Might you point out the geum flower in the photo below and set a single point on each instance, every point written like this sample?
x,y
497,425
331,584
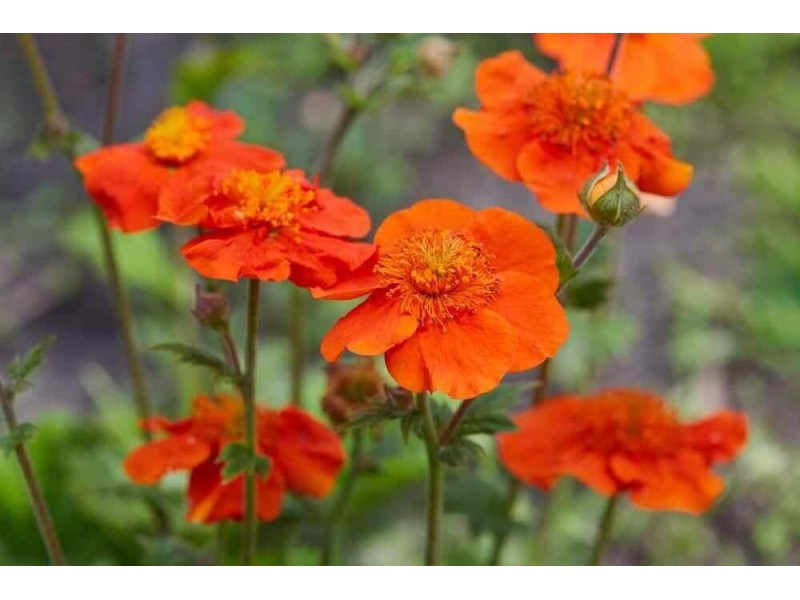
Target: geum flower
x,y
305,457
672,68
457,299
624,441
126,180
552,132
270,225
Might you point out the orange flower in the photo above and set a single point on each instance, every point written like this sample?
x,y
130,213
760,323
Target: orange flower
x,y
552,132
305,457
457,299
625,441
126,180
271,225
672,68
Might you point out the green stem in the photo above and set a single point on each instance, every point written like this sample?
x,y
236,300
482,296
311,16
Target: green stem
x,y
604,531
43,519
330,534
250,529
455,421
588,248
55,121
435,502
297,339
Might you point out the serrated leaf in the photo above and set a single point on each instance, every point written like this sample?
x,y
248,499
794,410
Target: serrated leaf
x,y
461,452
22,368
192,355
589,293
21,434
489,412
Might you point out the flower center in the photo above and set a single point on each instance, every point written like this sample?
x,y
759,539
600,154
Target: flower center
x,y
579,111
176,136
274,199
438,275
631,424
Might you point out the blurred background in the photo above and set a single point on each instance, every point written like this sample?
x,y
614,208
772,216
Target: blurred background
x,y
705,308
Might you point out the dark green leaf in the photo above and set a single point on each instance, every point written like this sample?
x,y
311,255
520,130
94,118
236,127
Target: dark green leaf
x,y
461,452
589,293
22,368
238,460
21,434
197,356
489,412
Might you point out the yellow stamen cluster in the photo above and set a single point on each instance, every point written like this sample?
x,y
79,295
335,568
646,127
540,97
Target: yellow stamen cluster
x,y
579,111
274,199
438,274
177,136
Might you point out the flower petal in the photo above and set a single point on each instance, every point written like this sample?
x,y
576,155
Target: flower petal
x,y
467,359
369,329
337,216
125,183
148,463
720,437
555,175
240,156
440,213
308,453
517,244
535,314
231,255
225,123
496,139
503,81
357,283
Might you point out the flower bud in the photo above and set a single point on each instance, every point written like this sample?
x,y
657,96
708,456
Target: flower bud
x,y
436,54
351,388
210,308
610,198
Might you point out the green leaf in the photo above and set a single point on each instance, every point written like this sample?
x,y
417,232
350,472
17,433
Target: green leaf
x,y
589,293
407,423
374,415
566,269
21,434
22,369
192,355
461,452
238,460
489,412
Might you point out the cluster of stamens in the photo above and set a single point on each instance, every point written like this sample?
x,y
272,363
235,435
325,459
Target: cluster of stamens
x,y
582,112
274,199
438,274
177,135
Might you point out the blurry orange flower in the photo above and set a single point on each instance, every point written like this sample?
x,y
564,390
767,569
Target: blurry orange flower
x,y
127,179
552,132
625,441
271,225
352,387
457,299
305,457
672,68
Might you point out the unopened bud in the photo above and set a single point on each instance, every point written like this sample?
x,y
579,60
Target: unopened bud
x,y
610,198
436,54
352,388
210,308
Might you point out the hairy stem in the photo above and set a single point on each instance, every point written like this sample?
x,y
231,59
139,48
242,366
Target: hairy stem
x,y
250,529
435,500
604,531
614,54
43,519
330,534
589,246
